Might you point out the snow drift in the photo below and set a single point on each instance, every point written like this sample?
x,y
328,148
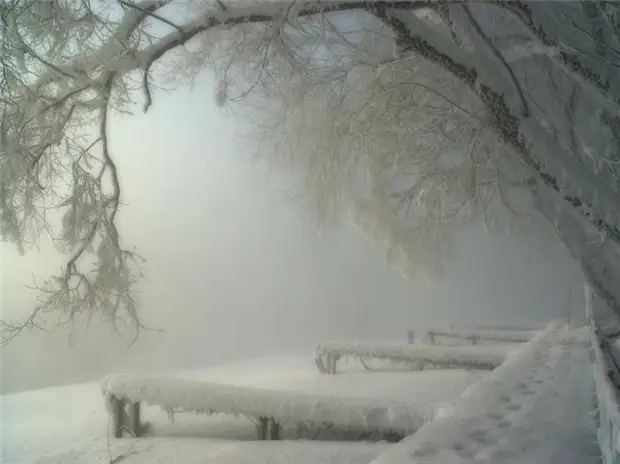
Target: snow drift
x,y
533,408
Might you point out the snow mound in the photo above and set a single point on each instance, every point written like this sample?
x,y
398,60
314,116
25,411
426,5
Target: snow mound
x,y
186,395
477,357
535,408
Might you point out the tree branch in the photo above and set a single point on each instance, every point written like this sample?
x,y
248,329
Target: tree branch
x,y
428,43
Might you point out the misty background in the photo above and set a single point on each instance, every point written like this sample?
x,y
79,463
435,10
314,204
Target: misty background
x,y
236,271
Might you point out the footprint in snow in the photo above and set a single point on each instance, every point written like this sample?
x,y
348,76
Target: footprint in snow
x,y
480,436
495,415
425,450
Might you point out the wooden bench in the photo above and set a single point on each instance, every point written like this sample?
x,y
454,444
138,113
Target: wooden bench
x,y
481,357
269,409
126,418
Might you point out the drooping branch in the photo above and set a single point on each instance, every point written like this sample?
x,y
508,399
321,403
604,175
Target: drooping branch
x,y
69,92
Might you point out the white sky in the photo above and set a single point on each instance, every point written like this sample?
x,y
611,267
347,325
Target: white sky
x,y
235,271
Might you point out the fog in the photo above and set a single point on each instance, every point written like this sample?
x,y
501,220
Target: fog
x,y
236,271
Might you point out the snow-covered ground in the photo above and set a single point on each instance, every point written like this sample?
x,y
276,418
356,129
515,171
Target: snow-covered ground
x,y
535,408
67,425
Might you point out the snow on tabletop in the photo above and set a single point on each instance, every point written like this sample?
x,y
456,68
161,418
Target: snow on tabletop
x,y
181,394
298,374
487,355
536,408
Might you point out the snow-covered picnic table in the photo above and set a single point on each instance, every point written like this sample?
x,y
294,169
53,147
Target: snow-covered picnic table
x,y
269,408
481,357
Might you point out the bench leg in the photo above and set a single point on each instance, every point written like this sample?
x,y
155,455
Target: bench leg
x,y
134,419
263,424
118,406
275,429
334,360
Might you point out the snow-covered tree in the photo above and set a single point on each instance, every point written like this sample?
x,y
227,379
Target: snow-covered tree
x,y
414,116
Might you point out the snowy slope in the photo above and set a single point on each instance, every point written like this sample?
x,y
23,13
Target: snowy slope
x,y
536,408
67,425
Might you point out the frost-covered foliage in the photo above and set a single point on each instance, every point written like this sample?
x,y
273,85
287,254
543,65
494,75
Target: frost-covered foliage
x,y
56,170
185,395
403,147
416,117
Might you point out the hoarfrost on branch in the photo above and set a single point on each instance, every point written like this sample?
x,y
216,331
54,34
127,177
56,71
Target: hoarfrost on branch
x,y
416,117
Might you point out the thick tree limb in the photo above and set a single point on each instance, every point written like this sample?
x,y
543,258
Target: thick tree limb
x,y
419,38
